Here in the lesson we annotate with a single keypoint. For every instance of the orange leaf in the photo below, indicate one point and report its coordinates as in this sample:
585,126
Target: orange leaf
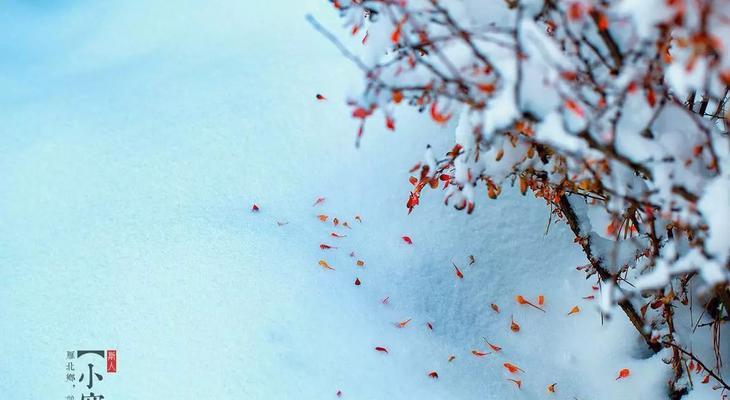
574,310
521,300
512,368
574,107
403,324
516,382
495,308
725,77
551,388
487,88
324,264
513,326
437,116
397,96
479,353
494,347
623,373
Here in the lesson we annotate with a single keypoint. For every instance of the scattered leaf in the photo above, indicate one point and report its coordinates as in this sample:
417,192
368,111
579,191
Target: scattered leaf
458,272
403,324
514,326
512,368
521,300
324,264
494,347
623,373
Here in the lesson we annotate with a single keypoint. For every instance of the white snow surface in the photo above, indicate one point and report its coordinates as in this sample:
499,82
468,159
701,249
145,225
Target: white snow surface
135,138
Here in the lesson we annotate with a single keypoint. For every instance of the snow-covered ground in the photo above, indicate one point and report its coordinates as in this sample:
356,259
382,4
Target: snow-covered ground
134,139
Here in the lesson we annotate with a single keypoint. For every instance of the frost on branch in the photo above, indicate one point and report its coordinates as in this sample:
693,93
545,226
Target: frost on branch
613,112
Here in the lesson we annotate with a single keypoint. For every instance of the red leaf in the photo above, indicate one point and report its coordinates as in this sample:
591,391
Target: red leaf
361,113
574,107
390,123
575,11
650,97
407,240
602,21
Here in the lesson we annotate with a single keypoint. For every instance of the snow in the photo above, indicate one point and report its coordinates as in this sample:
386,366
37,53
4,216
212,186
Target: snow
715,202
135,139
